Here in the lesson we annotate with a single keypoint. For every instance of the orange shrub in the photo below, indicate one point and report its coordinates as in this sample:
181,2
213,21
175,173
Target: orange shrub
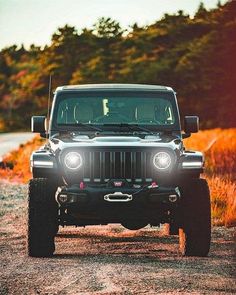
19,161
223,201
219,147
202,140
222,155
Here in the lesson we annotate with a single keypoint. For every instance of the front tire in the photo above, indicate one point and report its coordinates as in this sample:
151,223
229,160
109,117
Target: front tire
42,217
195,227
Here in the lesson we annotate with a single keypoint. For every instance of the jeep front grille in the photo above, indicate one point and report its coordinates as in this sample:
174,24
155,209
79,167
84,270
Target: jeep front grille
100,166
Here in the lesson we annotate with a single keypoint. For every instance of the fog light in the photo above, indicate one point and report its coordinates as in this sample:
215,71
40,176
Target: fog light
63,198
173,198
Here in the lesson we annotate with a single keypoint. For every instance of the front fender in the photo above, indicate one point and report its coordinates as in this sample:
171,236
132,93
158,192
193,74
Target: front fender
43,164
191,162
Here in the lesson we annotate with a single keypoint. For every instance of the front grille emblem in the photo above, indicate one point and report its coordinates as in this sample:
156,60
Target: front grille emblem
118,183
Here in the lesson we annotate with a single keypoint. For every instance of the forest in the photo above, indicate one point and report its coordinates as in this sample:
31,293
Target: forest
194,55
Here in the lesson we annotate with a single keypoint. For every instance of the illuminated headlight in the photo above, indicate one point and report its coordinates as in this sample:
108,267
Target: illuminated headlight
162,160
73,160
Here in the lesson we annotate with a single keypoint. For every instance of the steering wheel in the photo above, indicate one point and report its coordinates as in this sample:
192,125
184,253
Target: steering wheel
112,117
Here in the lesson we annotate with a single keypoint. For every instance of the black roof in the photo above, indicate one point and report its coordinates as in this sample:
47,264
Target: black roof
108,87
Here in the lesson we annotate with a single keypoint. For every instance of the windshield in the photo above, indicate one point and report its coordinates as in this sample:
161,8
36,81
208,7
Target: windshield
104,109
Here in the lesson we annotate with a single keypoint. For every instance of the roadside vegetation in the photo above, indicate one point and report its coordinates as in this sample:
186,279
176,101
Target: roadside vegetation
218,145
15,166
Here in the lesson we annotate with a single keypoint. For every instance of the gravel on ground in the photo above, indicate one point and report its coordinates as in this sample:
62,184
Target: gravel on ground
108,259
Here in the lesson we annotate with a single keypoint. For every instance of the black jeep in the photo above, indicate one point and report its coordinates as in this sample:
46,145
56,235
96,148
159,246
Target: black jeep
115,154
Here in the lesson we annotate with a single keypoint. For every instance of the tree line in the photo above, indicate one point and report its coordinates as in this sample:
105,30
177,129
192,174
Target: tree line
196,56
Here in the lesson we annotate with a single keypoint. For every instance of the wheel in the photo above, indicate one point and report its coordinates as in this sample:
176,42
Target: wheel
195,225
42,217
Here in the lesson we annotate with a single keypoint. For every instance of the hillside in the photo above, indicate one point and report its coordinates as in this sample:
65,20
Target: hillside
196,56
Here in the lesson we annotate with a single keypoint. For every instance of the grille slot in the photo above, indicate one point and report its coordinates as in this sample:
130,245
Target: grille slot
100,166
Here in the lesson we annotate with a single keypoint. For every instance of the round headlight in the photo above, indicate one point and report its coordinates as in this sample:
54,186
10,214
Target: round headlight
73,160
162,160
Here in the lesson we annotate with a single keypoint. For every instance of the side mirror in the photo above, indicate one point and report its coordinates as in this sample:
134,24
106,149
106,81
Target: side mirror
191,124
38,125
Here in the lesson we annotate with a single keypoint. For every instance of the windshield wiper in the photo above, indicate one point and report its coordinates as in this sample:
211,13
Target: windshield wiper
86,125
130,126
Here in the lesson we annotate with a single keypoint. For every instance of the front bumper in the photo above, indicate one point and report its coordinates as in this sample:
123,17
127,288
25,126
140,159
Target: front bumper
90,196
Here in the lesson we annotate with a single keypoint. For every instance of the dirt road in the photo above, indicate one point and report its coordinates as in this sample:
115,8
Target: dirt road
107,260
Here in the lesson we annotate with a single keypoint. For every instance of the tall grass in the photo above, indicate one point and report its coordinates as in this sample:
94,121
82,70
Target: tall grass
219,147
16,165
223,201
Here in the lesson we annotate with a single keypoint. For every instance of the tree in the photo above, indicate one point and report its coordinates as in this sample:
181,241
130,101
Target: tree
107,28
196,56
201,12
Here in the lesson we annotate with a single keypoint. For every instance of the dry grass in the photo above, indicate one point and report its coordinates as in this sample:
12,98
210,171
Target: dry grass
17,163
223,201
219,147
202,140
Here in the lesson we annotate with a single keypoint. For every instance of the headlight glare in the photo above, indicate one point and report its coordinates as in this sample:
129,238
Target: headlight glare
73,160
162,160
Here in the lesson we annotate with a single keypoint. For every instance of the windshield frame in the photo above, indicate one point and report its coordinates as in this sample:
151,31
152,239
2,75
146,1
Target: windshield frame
54,127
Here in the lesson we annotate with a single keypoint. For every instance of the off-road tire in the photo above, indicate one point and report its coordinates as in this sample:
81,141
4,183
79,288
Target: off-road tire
42,217
195,227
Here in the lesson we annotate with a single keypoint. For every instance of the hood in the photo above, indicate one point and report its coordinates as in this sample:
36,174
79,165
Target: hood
83,141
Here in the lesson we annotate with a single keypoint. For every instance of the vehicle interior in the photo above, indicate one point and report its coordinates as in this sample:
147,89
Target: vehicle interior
115,110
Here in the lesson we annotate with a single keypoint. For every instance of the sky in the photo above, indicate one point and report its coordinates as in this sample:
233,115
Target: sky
34,21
